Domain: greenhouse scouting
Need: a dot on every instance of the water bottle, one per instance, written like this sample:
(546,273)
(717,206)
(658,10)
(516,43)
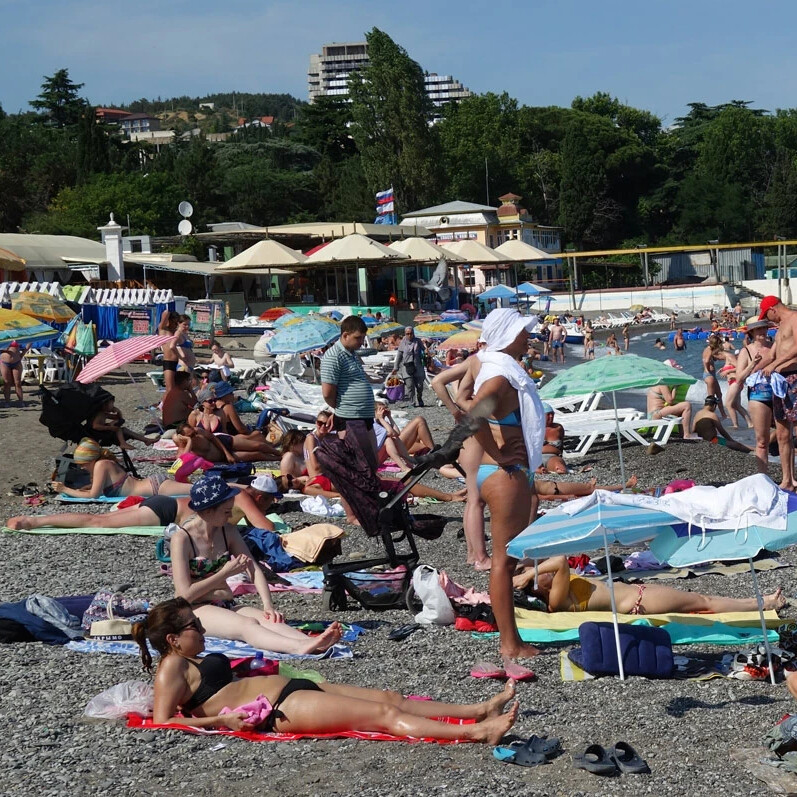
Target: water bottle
(258,662)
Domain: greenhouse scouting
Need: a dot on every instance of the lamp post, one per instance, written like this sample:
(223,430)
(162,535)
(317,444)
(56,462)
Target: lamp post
(643,262)
(784,292)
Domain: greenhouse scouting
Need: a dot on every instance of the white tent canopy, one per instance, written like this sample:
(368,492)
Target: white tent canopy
(419,249)
(474,252)
(520,250)
(352,249)
(266,256)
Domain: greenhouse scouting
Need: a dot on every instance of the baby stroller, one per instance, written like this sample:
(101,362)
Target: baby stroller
(67,414)
(383,513)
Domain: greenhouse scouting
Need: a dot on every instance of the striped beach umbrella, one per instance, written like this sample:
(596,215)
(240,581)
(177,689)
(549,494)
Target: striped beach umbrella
(23,329)
(120,354)
(436,330)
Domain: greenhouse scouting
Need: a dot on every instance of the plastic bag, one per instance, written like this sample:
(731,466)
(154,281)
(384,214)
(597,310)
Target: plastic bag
(437,607)
(129,697)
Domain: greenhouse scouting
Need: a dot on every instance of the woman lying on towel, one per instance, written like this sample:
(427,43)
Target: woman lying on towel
(204,689)
(564,592)
(110,479)
(251,502)
(206,551)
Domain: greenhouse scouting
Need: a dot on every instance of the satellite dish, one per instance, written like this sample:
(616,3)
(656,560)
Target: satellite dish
(185,209)
(184,227)
(444,219)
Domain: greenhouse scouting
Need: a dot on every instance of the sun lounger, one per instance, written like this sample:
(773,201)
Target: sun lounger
(631,430)
(574,404)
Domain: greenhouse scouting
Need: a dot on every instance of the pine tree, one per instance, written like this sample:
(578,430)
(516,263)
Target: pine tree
(59,99)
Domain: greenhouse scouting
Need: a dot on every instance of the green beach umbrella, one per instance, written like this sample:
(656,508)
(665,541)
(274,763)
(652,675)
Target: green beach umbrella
(610,374)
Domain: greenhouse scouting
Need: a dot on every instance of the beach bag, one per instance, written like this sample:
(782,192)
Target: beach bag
(437,608)
(394,389)
(113,608)
(646,650)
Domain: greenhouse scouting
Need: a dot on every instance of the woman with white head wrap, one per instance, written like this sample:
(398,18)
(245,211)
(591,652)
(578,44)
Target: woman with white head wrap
(512,440)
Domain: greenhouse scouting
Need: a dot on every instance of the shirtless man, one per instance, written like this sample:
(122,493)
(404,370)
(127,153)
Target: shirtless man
(558,335)
(784,362)
(168,326)
(184,346)
(679,341)
(709,427)
(589,341)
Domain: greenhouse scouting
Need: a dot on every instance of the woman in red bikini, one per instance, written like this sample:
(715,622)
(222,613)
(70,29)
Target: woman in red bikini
(564,592)
(207,695)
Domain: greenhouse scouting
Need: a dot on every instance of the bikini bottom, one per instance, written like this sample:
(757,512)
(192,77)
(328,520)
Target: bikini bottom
(485,471)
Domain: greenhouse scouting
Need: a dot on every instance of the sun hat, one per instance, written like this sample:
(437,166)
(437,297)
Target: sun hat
(265,483)
(757,324)
(14,344)
(767,303)
(223,389)
(673,364)
(206,394)
(503,325)
(210,491)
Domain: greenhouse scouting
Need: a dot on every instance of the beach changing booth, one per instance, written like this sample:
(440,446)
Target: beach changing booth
(120,313)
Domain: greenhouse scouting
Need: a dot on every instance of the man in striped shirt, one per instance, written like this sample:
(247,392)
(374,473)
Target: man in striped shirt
(346,388)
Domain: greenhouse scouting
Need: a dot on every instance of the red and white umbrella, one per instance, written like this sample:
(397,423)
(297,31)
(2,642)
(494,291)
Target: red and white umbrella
(119,354)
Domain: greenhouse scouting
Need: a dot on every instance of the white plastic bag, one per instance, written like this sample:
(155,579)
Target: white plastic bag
(129,697)
(437,607)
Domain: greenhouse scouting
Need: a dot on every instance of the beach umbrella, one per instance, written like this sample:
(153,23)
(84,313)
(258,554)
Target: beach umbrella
(119,354)
(353,248)
(464,339)
(369,320)
(385,328)
(475,324)
(22,328)
(11,262)
(498,292)
(42,306)
(273,313)
(424,317)
(286,318)
(454,316)
(530,289)
(420,250)
(561,533)
(264,257)
(305,336)
(610,374)
(335,315)
(436,330)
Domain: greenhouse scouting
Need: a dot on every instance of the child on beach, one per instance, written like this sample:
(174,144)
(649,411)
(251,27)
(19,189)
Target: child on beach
(109,423)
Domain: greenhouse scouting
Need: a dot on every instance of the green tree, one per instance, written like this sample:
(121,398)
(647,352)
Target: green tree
(392,115)
(59,99)
(93,146)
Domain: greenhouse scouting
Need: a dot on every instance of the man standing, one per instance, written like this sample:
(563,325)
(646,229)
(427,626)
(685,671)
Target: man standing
(346,389)
(409,362)
(558,335)
(784,364)
(168,326)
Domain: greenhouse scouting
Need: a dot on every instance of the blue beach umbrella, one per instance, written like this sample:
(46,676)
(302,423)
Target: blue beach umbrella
(304,336)
(370,321)
(559,533)
(498,292)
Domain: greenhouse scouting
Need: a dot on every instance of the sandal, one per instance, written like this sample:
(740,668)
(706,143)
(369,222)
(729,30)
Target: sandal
(518,753)
(483,669)
(628,761)
(596,760)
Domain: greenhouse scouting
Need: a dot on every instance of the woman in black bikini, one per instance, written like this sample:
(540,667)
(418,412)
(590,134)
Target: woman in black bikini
(201,689)
(205,552)
(11,371)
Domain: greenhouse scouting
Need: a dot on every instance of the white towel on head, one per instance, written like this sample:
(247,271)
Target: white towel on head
(503,325)
(532,415)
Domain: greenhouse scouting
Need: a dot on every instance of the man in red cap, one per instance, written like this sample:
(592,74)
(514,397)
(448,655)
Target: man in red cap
(784,362)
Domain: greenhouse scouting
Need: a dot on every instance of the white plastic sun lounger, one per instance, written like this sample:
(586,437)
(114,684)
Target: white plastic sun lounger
(630,430)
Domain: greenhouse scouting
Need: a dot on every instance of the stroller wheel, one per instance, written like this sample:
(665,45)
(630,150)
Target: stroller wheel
(412,601)
(334,600)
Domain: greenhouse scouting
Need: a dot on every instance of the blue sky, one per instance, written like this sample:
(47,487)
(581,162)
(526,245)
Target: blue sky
(654,54)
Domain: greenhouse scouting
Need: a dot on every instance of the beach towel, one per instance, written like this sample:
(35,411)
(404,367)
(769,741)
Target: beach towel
(532,417)
(755,500)
(134,721)
(135,531)
(101,499)
(713,569)
(228,647)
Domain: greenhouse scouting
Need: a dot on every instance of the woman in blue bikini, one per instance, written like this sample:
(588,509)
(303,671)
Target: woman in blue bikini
(512,440)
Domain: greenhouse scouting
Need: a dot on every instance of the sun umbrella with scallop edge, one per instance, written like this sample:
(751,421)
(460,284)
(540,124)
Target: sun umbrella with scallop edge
(42,306)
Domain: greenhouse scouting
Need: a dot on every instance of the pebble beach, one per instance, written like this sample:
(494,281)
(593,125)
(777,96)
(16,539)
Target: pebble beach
(686,730)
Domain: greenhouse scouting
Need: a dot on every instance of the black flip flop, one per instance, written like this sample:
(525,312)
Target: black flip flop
(518,753)
(628,760)
(402,632)
(596,760)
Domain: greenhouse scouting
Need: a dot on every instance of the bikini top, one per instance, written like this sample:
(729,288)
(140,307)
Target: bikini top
(202,566)
(215,673)
(112,490)
(511,419)
(581,590)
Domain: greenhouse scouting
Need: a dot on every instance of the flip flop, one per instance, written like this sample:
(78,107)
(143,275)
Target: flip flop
(596,760)
(541,745)
(519,755)
(628,761)
(483,669)
(402,632)
(517,672)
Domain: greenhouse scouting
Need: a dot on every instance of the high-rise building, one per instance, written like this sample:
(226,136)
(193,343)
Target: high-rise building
(329,72)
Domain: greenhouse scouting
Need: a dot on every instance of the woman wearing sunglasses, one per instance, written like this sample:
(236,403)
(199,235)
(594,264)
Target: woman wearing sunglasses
(202,692)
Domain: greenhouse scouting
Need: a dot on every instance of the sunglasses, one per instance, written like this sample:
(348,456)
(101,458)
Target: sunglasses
(195,624)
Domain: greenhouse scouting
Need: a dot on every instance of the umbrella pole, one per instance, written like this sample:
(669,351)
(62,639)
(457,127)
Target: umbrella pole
(145,403)
(760,602)
(615,621)
(619,439)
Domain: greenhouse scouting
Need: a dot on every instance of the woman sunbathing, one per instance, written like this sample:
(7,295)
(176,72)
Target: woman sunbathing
(292,447)
(564,592)
(110,479)
(201,689)
(205,552)
(250,503)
